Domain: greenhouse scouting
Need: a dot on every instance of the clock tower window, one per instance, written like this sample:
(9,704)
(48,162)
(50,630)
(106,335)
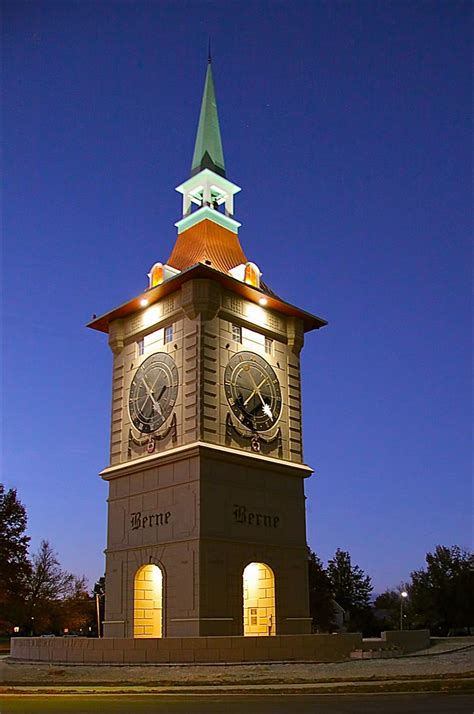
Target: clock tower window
(237,333)
(168,334)
(268,345)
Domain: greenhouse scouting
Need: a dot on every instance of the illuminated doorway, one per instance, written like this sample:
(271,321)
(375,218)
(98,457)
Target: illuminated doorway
(148,602)
(259,601)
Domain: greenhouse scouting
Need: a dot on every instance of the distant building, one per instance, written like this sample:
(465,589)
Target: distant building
(341,617)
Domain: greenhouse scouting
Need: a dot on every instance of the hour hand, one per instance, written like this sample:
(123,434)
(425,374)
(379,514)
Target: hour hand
(163,389)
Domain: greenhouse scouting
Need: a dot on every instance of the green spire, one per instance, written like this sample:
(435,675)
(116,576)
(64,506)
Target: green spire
(208,152)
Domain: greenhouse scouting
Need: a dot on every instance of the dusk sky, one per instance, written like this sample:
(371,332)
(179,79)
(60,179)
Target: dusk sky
(347,125)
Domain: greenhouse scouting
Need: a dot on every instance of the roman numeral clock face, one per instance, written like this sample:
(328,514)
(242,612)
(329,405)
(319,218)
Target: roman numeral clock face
(153,392)
(253,391)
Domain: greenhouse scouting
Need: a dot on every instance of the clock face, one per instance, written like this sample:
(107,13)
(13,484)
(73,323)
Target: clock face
(153,392)
(253,391)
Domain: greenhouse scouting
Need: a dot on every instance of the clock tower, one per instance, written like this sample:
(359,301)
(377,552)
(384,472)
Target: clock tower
(206,508)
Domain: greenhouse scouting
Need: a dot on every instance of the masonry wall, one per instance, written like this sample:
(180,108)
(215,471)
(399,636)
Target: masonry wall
(178,511)
(202,515)
(312,648)
(309,648)
(407,640)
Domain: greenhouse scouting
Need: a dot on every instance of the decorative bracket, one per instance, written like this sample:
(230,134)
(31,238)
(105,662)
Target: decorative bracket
(256,439)
(150,441)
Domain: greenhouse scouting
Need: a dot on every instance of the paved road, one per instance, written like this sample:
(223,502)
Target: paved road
(230,704)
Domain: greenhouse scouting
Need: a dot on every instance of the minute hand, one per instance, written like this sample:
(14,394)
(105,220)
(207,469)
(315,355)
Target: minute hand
(256,391)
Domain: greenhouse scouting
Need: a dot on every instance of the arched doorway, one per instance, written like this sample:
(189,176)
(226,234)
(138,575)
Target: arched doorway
(148,602)
(259,601)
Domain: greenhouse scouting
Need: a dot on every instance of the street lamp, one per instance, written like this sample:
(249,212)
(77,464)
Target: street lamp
(97,609)
(403,596)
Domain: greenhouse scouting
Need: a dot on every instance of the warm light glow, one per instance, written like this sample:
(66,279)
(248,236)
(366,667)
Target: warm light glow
(262,301)
(156,275)
(404,594)
(251,574)
(259,600)
(148,602)
(16,629)
(143,302)
(251,276)
(256,315)
(151,316)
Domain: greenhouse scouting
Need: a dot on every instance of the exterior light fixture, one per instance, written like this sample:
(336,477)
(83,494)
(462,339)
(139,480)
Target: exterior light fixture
(262,301)
(143,302)
(403,597)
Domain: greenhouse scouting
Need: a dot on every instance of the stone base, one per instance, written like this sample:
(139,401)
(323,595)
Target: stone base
(200,650)
(170,650)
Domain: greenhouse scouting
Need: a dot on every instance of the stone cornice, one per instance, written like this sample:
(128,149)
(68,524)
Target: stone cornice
(199,448)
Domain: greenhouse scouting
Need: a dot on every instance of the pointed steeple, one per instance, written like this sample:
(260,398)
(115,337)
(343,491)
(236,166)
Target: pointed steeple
(208,152)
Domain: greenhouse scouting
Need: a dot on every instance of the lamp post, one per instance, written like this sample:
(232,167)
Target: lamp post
(97,610)
(403,596)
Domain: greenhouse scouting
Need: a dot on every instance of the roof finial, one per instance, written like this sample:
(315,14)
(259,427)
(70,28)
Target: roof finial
(209,56)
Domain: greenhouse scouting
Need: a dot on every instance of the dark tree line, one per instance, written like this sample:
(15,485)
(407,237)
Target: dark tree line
(340,584)
(439,597)
(36,594)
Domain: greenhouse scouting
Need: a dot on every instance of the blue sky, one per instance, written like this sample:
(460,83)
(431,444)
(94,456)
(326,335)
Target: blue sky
(348,127)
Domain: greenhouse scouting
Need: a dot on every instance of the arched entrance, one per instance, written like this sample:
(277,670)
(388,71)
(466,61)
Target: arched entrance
(259,600)
(148,602)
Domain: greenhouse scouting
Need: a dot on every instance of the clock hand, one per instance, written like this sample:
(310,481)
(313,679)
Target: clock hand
(251,377)
(256,390)
(156,401)
(264,407)
(138,398)
(163,389)
(149,390)
(155,407)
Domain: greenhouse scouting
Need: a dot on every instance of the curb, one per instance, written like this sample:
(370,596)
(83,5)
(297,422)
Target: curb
(432,685)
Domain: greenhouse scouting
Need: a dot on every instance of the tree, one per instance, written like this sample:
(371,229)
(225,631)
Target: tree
(15,567)
(75,611)
(441,595)
(352,589)
(321,601)
(49,585)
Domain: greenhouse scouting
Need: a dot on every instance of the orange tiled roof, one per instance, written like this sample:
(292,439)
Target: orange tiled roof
(207,241)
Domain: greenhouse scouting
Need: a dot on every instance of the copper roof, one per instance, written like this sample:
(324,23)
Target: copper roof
(207,241)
